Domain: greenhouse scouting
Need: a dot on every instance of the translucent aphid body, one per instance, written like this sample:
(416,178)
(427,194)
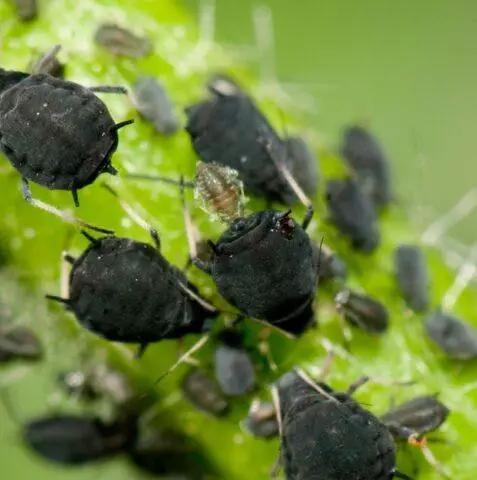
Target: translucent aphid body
(219,191)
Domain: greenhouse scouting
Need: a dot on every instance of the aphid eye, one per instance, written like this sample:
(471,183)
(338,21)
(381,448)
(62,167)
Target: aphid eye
(286,226)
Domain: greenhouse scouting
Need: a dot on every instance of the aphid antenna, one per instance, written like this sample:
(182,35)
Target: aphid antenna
(50,55)
(276,403)
(115,128)
(131,212)
(307,379)
(65,216)
(282,168)
(429,456)
(326,368)
(444,223)
(197,298)
(398,474)
(159,178)
(464,276)
(109,89)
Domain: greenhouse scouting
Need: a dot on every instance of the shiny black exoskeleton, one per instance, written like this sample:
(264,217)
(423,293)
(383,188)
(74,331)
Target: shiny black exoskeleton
(329,436)
(229,129)
(266,266)
(126,291)
(54,132)
(353,214)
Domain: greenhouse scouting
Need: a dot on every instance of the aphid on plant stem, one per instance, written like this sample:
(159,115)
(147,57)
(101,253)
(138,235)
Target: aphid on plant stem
(18,343)
(203,393)
(219,191)
(353,443)
(122,42)
(362,311)
(412,277)
(60,155)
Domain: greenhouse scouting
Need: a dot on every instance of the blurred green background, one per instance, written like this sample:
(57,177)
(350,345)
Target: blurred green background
(408,68)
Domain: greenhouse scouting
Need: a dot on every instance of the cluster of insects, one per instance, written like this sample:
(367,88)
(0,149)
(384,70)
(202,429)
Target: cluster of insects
(265,265)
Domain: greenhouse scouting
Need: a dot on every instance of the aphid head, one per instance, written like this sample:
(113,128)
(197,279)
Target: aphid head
(284,224)
(10,78)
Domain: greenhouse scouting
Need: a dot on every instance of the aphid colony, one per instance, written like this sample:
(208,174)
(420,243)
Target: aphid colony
(264,264)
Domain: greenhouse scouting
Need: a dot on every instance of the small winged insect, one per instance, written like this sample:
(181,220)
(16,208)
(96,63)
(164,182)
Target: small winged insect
(126,291)
(367,158)
(456,338)
(352,212)
(227,129)
(219,191)
(362,311)
(234,369)
(414,419)
(122,42)
(27,10)
(65,155)
(353,443)
(412,276)
(96,383)
(77,439)
(48,64)
(168,452)
(18,343)
(154,104)
(261,420)
(202,391)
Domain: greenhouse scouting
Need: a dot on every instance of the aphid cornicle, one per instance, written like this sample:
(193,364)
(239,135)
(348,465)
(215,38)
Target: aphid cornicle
(352,212)
(420,415)
(19,343)
(261,420)
(126,291)
(153,103)
(76,440)
(201,390)
(234,369)
(457,339)
(367,158)
(48,63)
(226,130)
(326,435)
(362,311)
(122,42)
(56,133)
(412,277)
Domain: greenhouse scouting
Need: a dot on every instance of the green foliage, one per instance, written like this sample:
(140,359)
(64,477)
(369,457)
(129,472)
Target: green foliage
(35,240)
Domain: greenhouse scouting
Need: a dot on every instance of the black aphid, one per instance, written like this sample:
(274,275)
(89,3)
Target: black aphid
(227,129)
(457,339)
(362,311)
(366,157)
(172,454)
(412,276)
(326,435)
(48,64)
(234,369)
(19,343)
(353,213)
(154,104)
(126,291)
(261,420)
(56,133)
(420,415)
(26,9)
(204,393)
(75,440)
(123,42)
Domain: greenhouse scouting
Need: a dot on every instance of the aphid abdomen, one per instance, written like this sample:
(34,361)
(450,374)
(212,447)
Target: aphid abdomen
(70,128)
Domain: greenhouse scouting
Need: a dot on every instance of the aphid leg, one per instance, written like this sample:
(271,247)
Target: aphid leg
(264,347)
(197,298)
(443,224)
(135,216)
(398,474)
(464,276)
(109,168)
(65,216)
(325,370)
(313,385)
(278,412)
(189,226)
(357,384)
(66,262)
(141,350)
(159,178)
(180,350)
(74,193)
(109,89)
(289,178)
(48,57)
